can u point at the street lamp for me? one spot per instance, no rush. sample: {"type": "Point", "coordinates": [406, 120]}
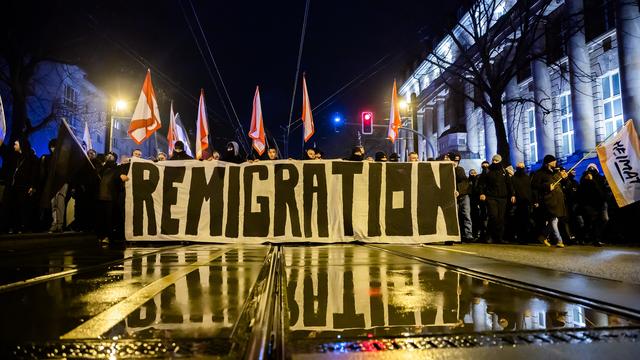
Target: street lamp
{"type": "Point", "coordinates": [117, 106]}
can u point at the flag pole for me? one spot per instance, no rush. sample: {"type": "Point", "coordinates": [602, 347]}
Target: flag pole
{"type": "Point", "coordinates": [589, 153]}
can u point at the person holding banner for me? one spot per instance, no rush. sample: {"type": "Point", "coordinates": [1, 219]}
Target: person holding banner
{"type": "Point", "coordinates": [549, 195]}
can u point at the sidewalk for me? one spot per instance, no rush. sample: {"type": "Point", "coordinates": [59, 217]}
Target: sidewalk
{"type": "Point", "coordinates": [43, 240]}
{"type": "Point", "coordinates": [621, 263]}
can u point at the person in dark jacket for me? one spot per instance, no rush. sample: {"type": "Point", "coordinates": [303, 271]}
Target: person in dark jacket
{"type": "Point", "coordinates": [570, 222]}
{"type": "Point", "coordinates": [482, 207]}
{"type": "Point", "coordinates": [108, 191]}
{"type": "Point", "coordinates": [232, 153]}
{"type": "Point", "coordinates": [522, 214]}
{"type": "Point", "coordinates": [464, 204]}
{"type": "Point", "coordinates": [592, 197]}
{"type": "Point", "coordinates": [23, 172]}
{"type": "Point", "coordinates": [474, 200]}
{"type": "Point", "coordinates": [357, 154]}
{"type": "Point", "coordinates": [548, 194]}
{"type": "Point", "coordinates": [381, 156]}
{"type": "Point", "coordinates": [496, 190]}
{"type": "Point", "coordinates": [309, 154]}
{"type": "Point", "coordinates": [394, 157]}
{"type": "Point", "coordinates": [179, 153]}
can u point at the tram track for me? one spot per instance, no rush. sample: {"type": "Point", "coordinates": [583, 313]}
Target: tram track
{"type": "Point", "coordinates": [515, 283]}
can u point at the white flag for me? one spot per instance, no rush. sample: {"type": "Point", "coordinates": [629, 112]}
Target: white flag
{"type": "Point", "coordinates": [86, 137]}
{"type": "Point", "coordinates": [307, 117]}
{"type": "Point", "coordinates": [181, 135]}
{"type": "Point", "coordinates": [620, 160]}
{"type": "Point", "coordinates": [3, 123]}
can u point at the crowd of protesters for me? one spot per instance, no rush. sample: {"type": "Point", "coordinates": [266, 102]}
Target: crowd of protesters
{"type": "Point", "coordinates": [496, 205]}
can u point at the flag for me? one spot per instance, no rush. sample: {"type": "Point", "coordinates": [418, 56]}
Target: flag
{"type": "Point", "coordinates": [69, 163]}
{"type": "Point", "coordinates": [3, 123]}
{"type": "Point", "coordinates": [146, 117]}
{"type": "Point", "coordinates": [257, 125]}
{"type": "Point", "coordinates": [171, 132]}
{"type": "Point", "coordinates": [307, 118]}
{"type": "Point", "coordinates": [181, 135]}
{"type": "Point", "coordinates": [620, 160]}
{"type": "Point", "coordinates": [86, 138]}
{"type": "Point", "coordinates": [202, 132]}
{"type": "Point", "coordinates": [394, 116]}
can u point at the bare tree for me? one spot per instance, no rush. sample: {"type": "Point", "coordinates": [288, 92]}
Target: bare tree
{"type": "Point", "coordinates": [491, 45]}
{"type": "Point", "coordinates": [36, 35]}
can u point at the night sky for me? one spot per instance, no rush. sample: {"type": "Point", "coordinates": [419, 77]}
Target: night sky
{"type": "Point", "coordinates": [256, 43]}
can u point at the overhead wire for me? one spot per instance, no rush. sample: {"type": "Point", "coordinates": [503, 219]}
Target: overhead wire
{"type": "Point", "coordinates": [295, 79]}
{"type": "Point", "coordinates": [243, 140]}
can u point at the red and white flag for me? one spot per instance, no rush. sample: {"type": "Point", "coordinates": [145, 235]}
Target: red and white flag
{"type": "Point", "coordinates": [202, 125]}
{"type": "Point", "coordinates": [394, 117]}
{"type": "Point", "coordinates": [172, 132]}
{"type": "Point", "coordinates": [307, 117]}
{"type": "Point", "coordinates": [146, 117]}
{"type": "Point", "coordinates": [257, 125]}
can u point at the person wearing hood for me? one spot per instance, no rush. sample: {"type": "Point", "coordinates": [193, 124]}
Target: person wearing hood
{"type": "Point", "coordinates": [272, 154]}
{"type": "Point", "coordinates": [592, 198]}
{"type": "Point", "coordinates": [522, 214]}
{"type": "Point", "coordinates": [21, 185]}
{"type": "Point", "coordinates": [547, 192]}
{"type": "Point", "coordinates": [179, 153]}
{"type": "Point", "coordinates": [381, 156]}
{"type": "Point", "coordinates": [496, 191]}
{"type": "Point", "coordinates": [394, 157]}
{"type": "Point", "coordinates": [232, 153]}
{"type": "Point", "coordinates": [357, 154]}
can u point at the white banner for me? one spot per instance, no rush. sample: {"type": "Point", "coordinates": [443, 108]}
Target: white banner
{"type": "Point", "coordinates": [291, 201]}
{"type": "Point", "coordinates": [620, 160]}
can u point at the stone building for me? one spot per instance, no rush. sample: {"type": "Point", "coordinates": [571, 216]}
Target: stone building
{"type": "Point", "coordinates": [589, 79]}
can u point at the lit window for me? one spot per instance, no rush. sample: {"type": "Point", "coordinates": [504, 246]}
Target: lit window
{"type": "Point", "coordinates": [566, 119]}
{"type": "Point", "coordinates": [533, 146]}
{"type": "Point", "coordinates": [612, 103]}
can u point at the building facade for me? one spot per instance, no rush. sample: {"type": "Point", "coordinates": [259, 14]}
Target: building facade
{"type": "Point", "coordinates": [581, 92]}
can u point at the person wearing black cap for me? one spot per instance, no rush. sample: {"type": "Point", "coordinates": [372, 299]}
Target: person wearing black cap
{"type": "Point", "coordinates": [547, 193]}
{"type": "Point", "coordinates": [496, 189]}
{"type": "Point", "coordinates": [381, 156]}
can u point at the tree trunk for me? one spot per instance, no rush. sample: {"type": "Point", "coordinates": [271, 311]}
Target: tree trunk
{"type": "Point", "coordinates": [19, 110]}
{"type": "Point", "coordinates": [501, 133]}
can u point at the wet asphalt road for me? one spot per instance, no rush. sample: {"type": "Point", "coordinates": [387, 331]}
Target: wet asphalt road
{"type": "Point", "coordinates": [211, 300]}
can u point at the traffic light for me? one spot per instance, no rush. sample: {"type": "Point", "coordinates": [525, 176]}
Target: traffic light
{"type": "Point", "coordinates": [367, 122]}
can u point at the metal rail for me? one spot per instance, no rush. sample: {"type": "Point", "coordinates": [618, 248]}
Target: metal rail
{"type": "Point", "coordinates": [607, 307]}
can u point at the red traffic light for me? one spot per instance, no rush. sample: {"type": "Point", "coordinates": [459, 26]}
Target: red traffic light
{"type": "Point", "coordinates": [367, 122]}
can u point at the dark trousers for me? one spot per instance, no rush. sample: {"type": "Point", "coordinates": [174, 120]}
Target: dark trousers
{"type": "Point", "coordinates": [497, 208]}
{"type": "Point", "coordinates": [105, 225]}
{"type": "Point", "coordinates": [522, 222]}
{"type": "Point", "coordinates": [19, 207]}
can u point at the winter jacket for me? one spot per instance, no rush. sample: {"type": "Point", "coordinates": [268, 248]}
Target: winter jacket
{"type": "Point", "coordinates": [496, 183]}
{"type": "Point", "coordinates": [462, 182]}
{"type": "Point", "coordinates": [552, 201]}
{"type": "Point", "coordinates": [522, 186]}
{"type": "Point", "coordinates": [24, 172]}
{"type": "Point", "coordinates": [180, 155]}
{"type": "Point", "coordinates": [109, 182]}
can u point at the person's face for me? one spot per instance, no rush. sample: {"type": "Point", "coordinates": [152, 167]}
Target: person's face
{"type": "Point", "coordinates": [16, 146]}
{"type": "Point", "coordinates": [110, 157]}
{"type": "Point", "coordinates": [137, 154]}
{"type": "Point", "coordinates": [446, 158]}
{"type": "Point", "coordinates": [272, 154]}
{"type": "Point", "coordinates": [553, 163]}
{"type": "Point", "coordinates": [215, 156]}
{"type": "Point", "coordinates": [318, 156]}
{"type": "Point", "coordinates": [52, 149]}
{"type": "Point", "coordinates": [311, 153]}
{"type": "Point", "coordinates": [473, 172]}
{"type": "Point", "coordinates": [457, 160]}
{"type": "Point", "coordinates": [413, 157]}
{"type": "Point", "coordinates": [520, 165]}
{"type": "Point", "coordinates": [485, 165]}
{"type": "Point", "coordinates": [230, 148]}
{"type": "Point", "coordinates": [92, 154]}
{"type": "Point", "coordinates": [161, 157]}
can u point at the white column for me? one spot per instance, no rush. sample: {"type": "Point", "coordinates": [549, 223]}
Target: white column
{"type": "Point", "coordinates": [516, 144]}
{"type": "Point", "coordinates": [628, 36]}
{"type": "Point", "coordinates": [440, 115]}
{"type": "Point", "coordinates": [473, 133]}
{"type": "Point", "coordinates": [579, 78]}
{"type": "Point", "coordinates": [542, 96]}
{"type": "Point", "coordinates": [490, 140]}
{"type": "Point", "coordinates": [428, 130]}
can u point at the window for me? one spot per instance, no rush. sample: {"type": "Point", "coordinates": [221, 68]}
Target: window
{"type": "Point", "coordinates": [533, 146]}
{"type": "Point", "coordinates": [566, 120]}
{"type": "Point", "coordinates": [70, 96]}
{"type": "Point", "coordinates": [612, 103]}
{"type": "Point", "coordinates": [599, 17]}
